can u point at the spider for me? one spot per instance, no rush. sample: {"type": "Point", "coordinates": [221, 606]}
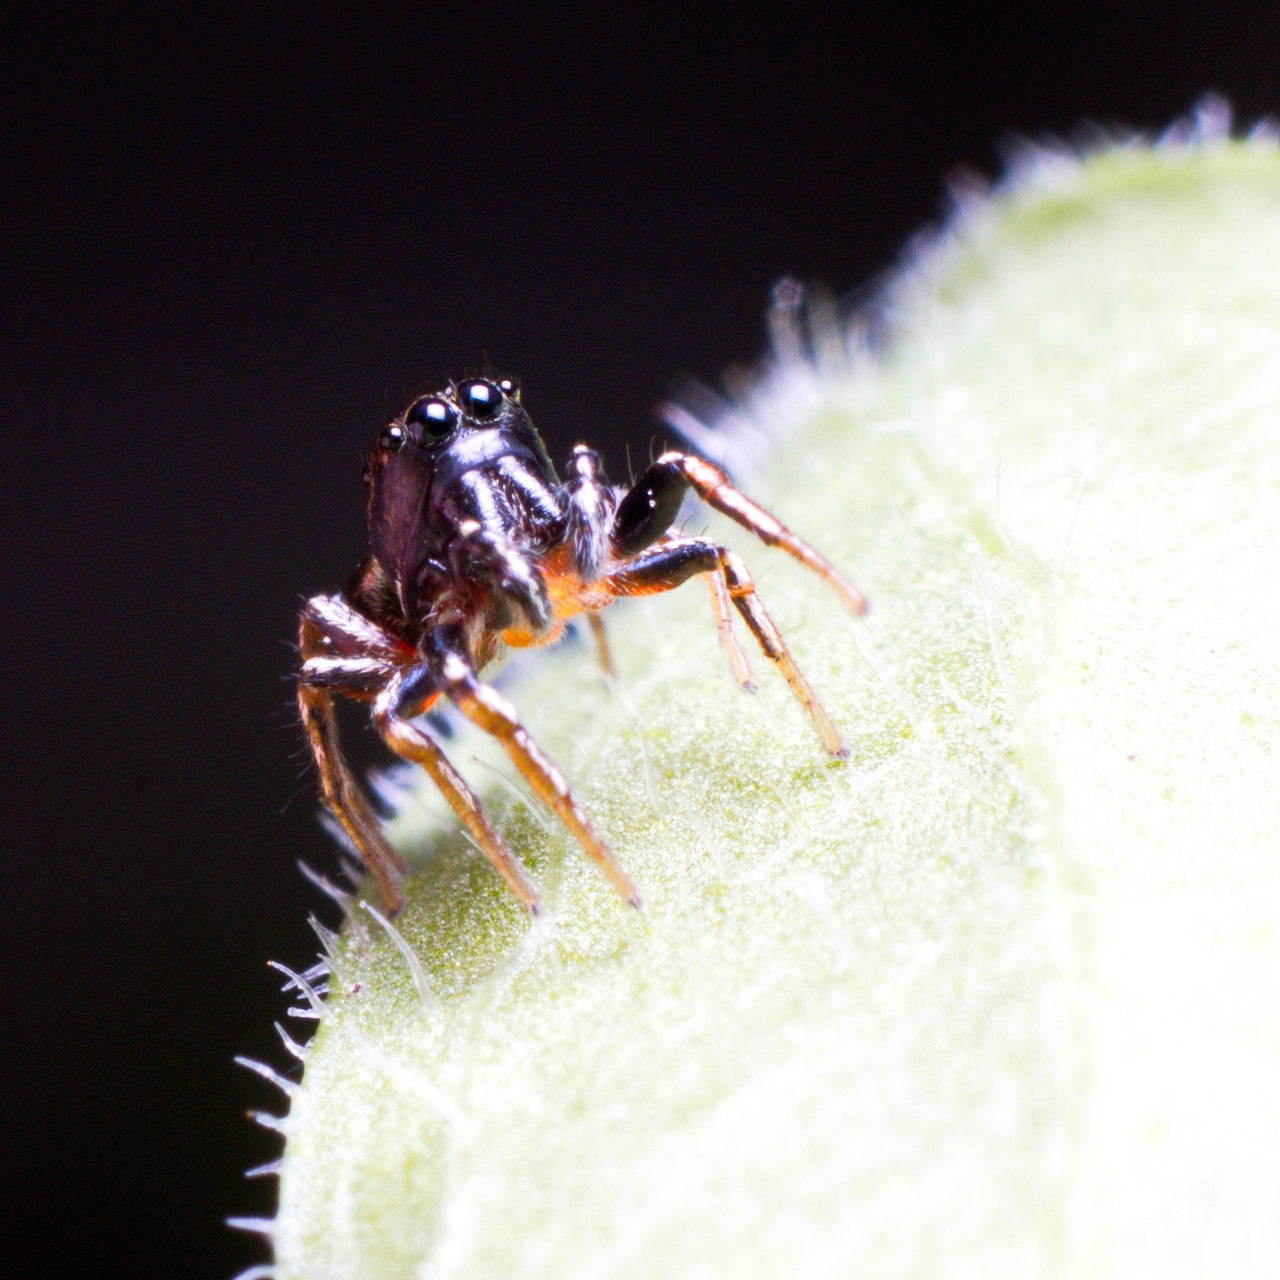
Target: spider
{"type": "Point", "coordinates": [475, 543]}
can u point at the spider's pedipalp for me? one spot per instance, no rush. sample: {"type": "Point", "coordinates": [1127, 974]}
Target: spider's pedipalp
{"type": "Point", "coordinates": [482, 554]}
{"type": "Point", "coordinates": [589, 512]}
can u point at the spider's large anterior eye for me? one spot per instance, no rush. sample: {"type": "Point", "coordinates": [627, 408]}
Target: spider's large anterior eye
{"type": "Point", "coordinates": [480, 400]}
{"type": "Point", "coordinates": [436, 418]}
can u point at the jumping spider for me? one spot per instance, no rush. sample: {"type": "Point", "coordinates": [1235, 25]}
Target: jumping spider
{"type": "Point", "coordinates": [474, 544]}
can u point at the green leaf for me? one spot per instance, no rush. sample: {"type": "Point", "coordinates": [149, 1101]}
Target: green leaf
{"type": "Point", "coordinates": [1001, 994]}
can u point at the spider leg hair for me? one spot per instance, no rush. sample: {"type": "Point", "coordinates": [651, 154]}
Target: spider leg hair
{"type": "Point", "coordinates": [650, 507]}
{"type": "Point", "coordinates": [676, 560]}
{"type": "Point", "coordinates": [341, 795]}
{"type": "Point", "coordinates": [393, 709]}
{"type": "Point", "coordinates": [485, 707]}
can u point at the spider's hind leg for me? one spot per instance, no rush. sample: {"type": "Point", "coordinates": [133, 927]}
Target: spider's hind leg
{"type": "Point", "coordinates": [676, 560]}
{"type": "Point", "coordinates": [742, 591]}
{"type": "Point", "coordinates": [722, 604]}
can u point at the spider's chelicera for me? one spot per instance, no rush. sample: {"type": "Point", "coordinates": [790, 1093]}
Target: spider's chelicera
{"type": "Point", "coordinates": [475, 543]}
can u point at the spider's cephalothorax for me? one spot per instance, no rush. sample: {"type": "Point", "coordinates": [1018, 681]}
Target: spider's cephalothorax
{"type": "Point", "coordinates": [475, 543]}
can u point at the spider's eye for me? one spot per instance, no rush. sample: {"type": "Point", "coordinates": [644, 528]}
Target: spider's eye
{"type": "Point", "coordinates": [510, 388]}
{"type": "Point", "coordinates": [436, 418]}
{"type": "Point", "coordinates": [480, 400]}
{"type": "Point", "coordinates": [392, 439]}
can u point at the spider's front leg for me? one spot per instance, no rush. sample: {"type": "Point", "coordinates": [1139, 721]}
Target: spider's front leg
{"type": "Point", "coordinates": [484, 706]}
{"type": "Point", "coordinates": [343, 652]}
{"type": "Point", "coordinates": [649, 508]}
{"type": "Point", "coordinates": [407, 695]}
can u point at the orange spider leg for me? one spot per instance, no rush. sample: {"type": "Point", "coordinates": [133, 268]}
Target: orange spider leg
{"type": "Point", "coordinates": [485, 707]}
{"type": "Point", "coordinates": [713, 487]}
{"type": "Point", "coordinates": [322, 676]}
{"type": "Point", "coordinates": [601, 638]}
{"type": "Point", "coordinates": [673, 561]}
{"type": "Point", "coordinates": [414, 745]}
{"type": "Point", "coordinates": [722, 604]}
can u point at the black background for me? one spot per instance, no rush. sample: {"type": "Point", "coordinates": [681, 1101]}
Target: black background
{"type": "Point", "coordinates": [231, 246]}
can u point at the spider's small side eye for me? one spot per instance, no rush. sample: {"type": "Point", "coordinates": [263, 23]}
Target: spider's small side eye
{"type": "Point", "coordinates": [480, 400]}
{"type": "Point", "coordinates": [392, 439]}
{"type": "Point", "coordinates": [436, 418]}
{"type": "Point", "coordinates": [510, 388]}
